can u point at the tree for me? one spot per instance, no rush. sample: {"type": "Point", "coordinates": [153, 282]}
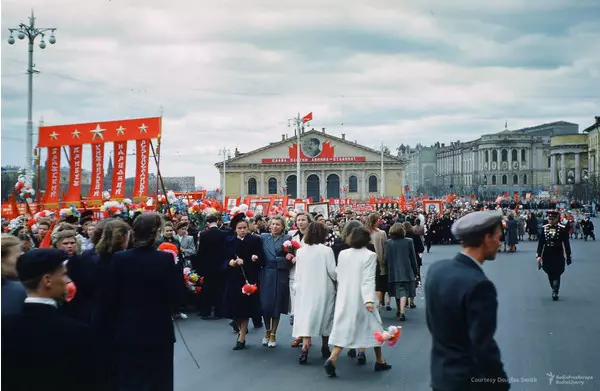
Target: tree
{"type": "Point", "coordinates": [386, 150]}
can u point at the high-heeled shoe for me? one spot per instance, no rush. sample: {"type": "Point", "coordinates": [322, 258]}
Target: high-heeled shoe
{"type": "Point", "coordinates": [382, 366]}
{"type": "Point", "coordinates": [329, 368]}
{"type": "Point", "coordinates": [272, 341]}
{"type": "Point", "coordinates": [265, 340]}
{"type": "Point", "coordinates": [239, 345]}
{"type": "Point", "coordinates": [303, 357]}
{"type": "Point", "coordinates": [361, 358]}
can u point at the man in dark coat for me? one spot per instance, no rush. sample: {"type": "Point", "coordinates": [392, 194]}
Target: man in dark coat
{"type": "Point", "coordinates": [212, 252]}
{"type": "Point", "coordinates": [461, 307]}
{"type": "Point", "coordinates": [553, 246]}
{"type": "Point", "coordinates": [41, 348]}
{"type": "Point", "coordinates": [145, 292]}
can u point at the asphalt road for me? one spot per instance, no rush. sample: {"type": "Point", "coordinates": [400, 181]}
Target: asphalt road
{"type": "Point", "coordinates": [536, 336]}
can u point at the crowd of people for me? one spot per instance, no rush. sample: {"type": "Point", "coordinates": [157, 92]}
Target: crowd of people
{"type": "Point", "coordinates": [331, 276]}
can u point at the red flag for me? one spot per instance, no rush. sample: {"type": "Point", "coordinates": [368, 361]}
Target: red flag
{"type": "Point", "coordinates": [14, 208]}
{"type": "Point", "coordinates": [307, 117]}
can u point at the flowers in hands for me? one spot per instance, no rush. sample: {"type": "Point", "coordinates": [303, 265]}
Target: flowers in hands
{"type": "Point", "coordinates": [290, 247]}
{"type": "Point", "coordinates": [193, 281]}
{"type": "Point", "coordinates": [249, 289]}
{"type": "Point", "coordinates": [391, 335]}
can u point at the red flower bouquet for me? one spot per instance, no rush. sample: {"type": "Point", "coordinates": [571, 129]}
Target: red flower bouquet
{"type": "Point", "coordinates": [391, 335]}
{"type": "Point", "coordinates": [290, 247]}
{"type": "Point", "coordinates": [71, 291]}
{"type": "Point", "coordinates": [249, 289]}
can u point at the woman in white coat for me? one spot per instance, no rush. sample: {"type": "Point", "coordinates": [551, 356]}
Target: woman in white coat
{"type": "Point", "coordinates": [301, 221]}
{"type": "Point", "coordinates": [315, 290]}
{"type": "Point", "coordinates": [356, 317]}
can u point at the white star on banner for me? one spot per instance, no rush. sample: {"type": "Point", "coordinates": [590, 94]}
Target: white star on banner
{"type": "Point", "coordinates": [98, 132]}
{"type": "Point", "coordinates": [54, 135]}
{"type": "Point", "coordinates": [120, 130]}
{"type": "Point", "coordinates": [143, 128]}
{"type": "Point", "coordinates": [75, 133]}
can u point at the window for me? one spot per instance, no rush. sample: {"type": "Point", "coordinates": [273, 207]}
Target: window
{"type": "Point", "coordinates": [494, 155]}
{"type": "Point", "coordinates": [493, 179]}
{"type": "Point", "coordinates": [515, 179]}
{"type": "Point", "coordinates": [352, 184]}
{"type": "Point", "coordinates": [372, 184]}
{"type": "Point", "coordinates": [549, 162]}
{"type": "Point", "coordinates": [515, 155]}
{"type": "Point", "coordinates": [504, 180]}
{"type": "Point", "coordinates": [504, 155]}
{"type": "Point", "coordinates": [525, 179]}
{"type": "Point", "coordinates": [523, 155]}
{"type": "Point", "coordinates": [272, 185]}
{"type": "Point", "coordinates": [487, 156]}
{"type": "Point", "coordinates": [252, 188]}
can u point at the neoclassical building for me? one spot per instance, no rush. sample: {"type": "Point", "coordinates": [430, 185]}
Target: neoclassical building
{"type": "Point", "coordinates": [569, 159]}
{"type": "Point", "coordinates": [331, 167]}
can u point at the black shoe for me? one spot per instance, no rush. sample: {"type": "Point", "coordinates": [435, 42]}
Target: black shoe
{"type": "Point", "coordinates": [329, 368]}
{"type": "Point", "coordinates": [555, 296]}
{"type": "Point", "coordinates": [303, 357]}
{"type": "Point", "coordinates": [382, 366]}
{"type": "Point", "coordinates": [234, 326]}
{"type": "Point", "coordinates": [402, 317]}
{"type": "Point", "coordinates": [362, 359]}
{"type": "Point", "coordinates": [388, 308]}
{"type": "Point", "coordinates": [325, 352]}
{"type": "Point", "coordinates": [352, 353]}
{"type": "Point", "coordinates": [239, 345]}
{"type": "Point", "coordinates": [258, 325]}
{"type": "Point", "coordinates": [218, 317]}
{"type": "Point", "coordinates": [205, 317]}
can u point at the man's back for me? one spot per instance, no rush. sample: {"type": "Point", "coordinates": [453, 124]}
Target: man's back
{"type": "Point", "coordinates": [42, 349]}
{"type": "Point", "coordinates": [461, 309]}
{"type": "Point", "coordinates": [211, 250]}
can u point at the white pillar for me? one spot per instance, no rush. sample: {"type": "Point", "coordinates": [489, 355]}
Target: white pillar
{"type": "Point", "coordinates": [553, 169]}
{"type": "Point", "coordinates": [282, 184]}
{"type": "Point", "coordinates": [261, 187]}
{"type": "Point", "coordinates": [242, 184]}
{"type": "Point", "coordinates": [577, 168]}
{"type": "Point", "coordinates": [563, 170]}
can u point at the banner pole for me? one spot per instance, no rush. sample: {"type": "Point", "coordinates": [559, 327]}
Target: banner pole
{"type": "Point", "coordinates": [162, 184]}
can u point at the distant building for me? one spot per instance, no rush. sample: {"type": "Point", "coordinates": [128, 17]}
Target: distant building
{"type": "Point", "coordinates": [180, 183]}
{"type": "Point", "coordinates": [421, 169]}
{"type": "Point", "coordinates": [593, 133]}
{"type": "Point", "coordinates": [558, 128]}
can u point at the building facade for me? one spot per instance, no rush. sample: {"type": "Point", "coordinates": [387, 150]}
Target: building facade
{"type": "Point", "coordinates": [331, 167]}
{"type": "Point", "coordinates": [421, 169]}
{"type": "Point", "coordinates": [593, 136]}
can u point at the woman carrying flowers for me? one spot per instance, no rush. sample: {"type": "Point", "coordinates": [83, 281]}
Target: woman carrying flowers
{"type": "Point", "coordinates": [274, 279]}
{"type": "Point", "coordinates": [241, 300]}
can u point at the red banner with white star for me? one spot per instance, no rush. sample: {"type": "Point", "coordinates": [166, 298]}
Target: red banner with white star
{"type": "Point", "coordinates": [142, 154]}
{"type": "Point", "coordinates": [74, 193]}
{"type": "Point", "coordinates": [99, 132]}
{"type": "Point", "coordinates": [97, 173]}
{"type": "Point", "coordinates": [118, 179]}
{"type": "Point", "coordinates": [52, 177]}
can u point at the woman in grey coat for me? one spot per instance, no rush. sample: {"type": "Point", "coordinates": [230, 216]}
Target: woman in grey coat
{"type": "Point", "coordinates": [401, 262]}
{"type": "Point", "coordinates": [274, 279]}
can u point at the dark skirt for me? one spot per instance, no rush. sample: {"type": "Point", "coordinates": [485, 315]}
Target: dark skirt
{"type": "Point", "coordinates": [381, 281]}
{"type": "Point", "coordinates": [403, 289]}
{"type": "Point", "coordinates": [237, 305]}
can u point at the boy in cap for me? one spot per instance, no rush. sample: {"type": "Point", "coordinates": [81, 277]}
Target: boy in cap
{"type": "Point", "coordinates": [41, 348]}
{"type": "Point", "coordinates": [553, 246]}
{"type": "Point", "coordinates": [461, 307]}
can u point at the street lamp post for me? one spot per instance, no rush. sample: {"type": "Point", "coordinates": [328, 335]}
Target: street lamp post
{"type": "Point", "coordinates": [226, 155]}
{"type": "Point", "coordinates": [31, 33]}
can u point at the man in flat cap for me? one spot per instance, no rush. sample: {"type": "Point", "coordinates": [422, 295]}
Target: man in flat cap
{"type": "Point", "coordinates": [461, 309]}
{"type": "Point", "coordinates": [553, 248]}
{"type": "Point", "coordinates": [41, 348]}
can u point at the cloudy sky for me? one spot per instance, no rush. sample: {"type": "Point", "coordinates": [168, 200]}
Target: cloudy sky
{"type": "Point", "coordinates": [229, 73]}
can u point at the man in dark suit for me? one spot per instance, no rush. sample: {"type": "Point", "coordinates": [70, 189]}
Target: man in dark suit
{"type": "Point", "coordinates": [461, 308]}
{"type": "Point", "coordinates": [145, 293]}
{"type": "Point", "coordinates": [209, 263]}
{"type": "Point", "coordinates": [41, 348]}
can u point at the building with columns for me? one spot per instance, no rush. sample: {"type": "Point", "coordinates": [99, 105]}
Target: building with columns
{"type": "Point", "coordinates": [569, 160]}
{"type": "Point", "coordinates": [331, 167]}
{"type": "Point", "coordinates": [593, 136]}
{"type": "Point", "coordinates": [421, 169]}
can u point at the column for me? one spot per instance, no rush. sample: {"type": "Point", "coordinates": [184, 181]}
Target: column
{"type": "Point", "coordinates": [242, 184]}
{"type": "Point", "coordinates": [261, 187]}
{"type": "Point", "coordinates": [343, 182]}
{"type": "Point", "coordinates": [510, 161]}
{"type": "Point", "coordinates": [499, 162]}
{"type": "Point", "coordinates": [553, 169]}
{"type": "Point", "coordinates": [323, 187]}
{"type": "Point", "coordinates": [577, 168]}
{"type": "Point", "coordinates": [363, 187]}
{"type": "Point", "coordinates": [563, 169]}
{"type": "Point", "coordinates": [382, 184]}
{"type": "Point", "coordinates": [283, 184]}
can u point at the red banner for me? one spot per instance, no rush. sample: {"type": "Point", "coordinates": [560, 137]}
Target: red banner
{"type": "Point", "coordinates": [95, 132]}
{"type": "Point", "coordinates": [52, 176]}
{"type": "Point", "coordinates": [74, 192]}
{"type": "Point", "coordinates": [97, 172]}
{"type": "Point", "coordinates": [142, 154]}
{"type": "Point", "coordinates": [118, 179]}
{"type": "Point", "coordinates": [336, 159]}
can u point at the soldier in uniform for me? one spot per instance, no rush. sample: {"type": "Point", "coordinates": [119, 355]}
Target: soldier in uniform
{"type": "Point", "coordinates": [553, 247]}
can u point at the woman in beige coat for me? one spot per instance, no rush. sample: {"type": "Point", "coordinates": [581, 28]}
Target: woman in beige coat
{"type": "Point", "coordinates": [378, 239]}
